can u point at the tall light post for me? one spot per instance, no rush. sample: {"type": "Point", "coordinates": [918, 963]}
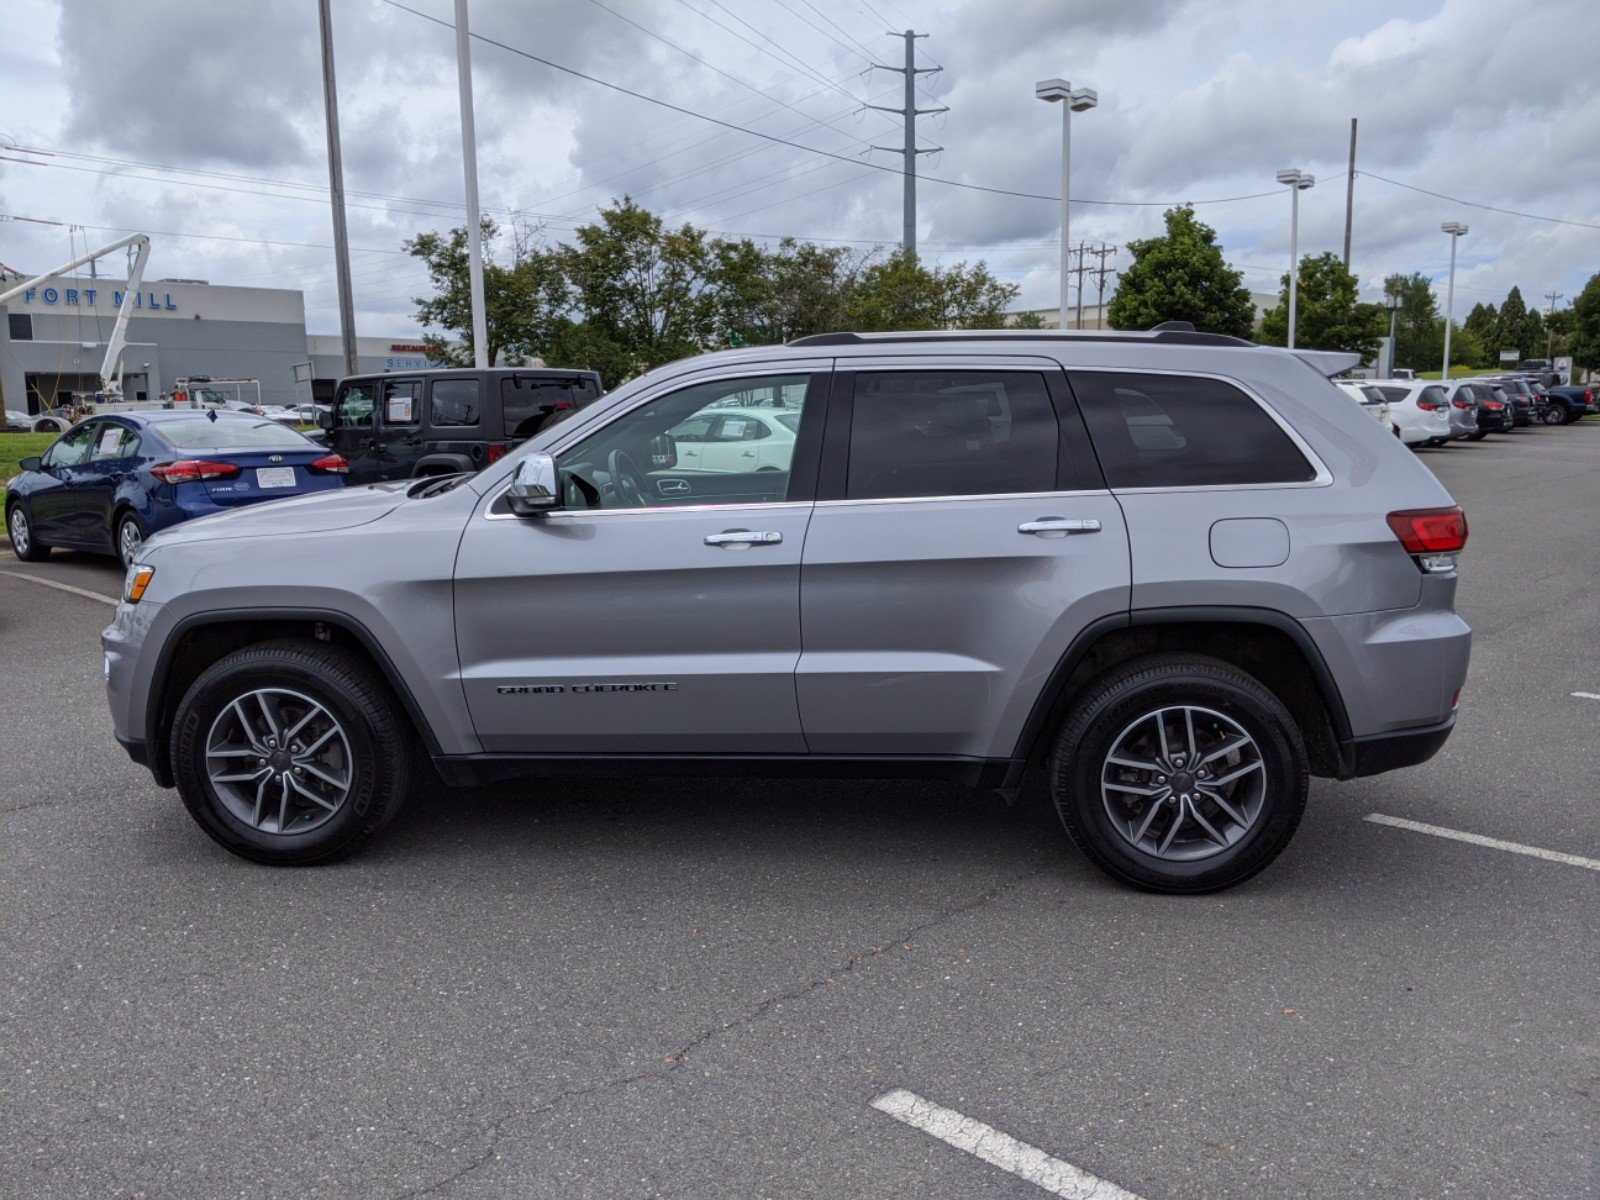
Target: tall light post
{"type": "Point", "coordinates": [1079, 100]}
{"type": "Point", "coordinates": [1297, 181]}
{"type": "Point", "coordinates": [1392, 303]}
{"type": "Point", "coordinates": [1455, 229]}
{"type": "Point", "coordinates": [469, 163]}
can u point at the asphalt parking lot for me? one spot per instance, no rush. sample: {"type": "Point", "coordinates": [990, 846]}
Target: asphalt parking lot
{"type": "Point", "coordinates": [669, 989]}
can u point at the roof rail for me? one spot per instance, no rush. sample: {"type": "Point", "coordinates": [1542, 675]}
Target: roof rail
{"type": "Point", "coordinates": [1165, 334]}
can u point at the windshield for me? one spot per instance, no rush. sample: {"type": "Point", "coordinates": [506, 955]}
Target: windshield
{"type": "Point", "coordinates": [248, 434]}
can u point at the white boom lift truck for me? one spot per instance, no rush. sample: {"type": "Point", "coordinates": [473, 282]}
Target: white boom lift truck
{"type": "Point", "coordinates": [110, 394]}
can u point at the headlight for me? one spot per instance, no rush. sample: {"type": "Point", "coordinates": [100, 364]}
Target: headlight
{"type": "Point", "coordinates": [138, 579]}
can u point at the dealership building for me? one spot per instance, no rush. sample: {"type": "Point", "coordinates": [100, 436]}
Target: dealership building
{"type": "Point", "coordinates": [53, 339]}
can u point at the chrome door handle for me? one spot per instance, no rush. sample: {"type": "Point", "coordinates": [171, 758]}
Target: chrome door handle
{"type": "Point", "coordinates": [1059, 526]}
{"type": "Point", "coordinates": [744, 537]}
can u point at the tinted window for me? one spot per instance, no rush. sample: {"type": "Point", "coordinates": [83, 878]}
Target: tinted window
{"type": "Point", "coordinates": [455, 402]}
{"type": "Point", "coordinates": [951, 433]}
{"type": "Point", "coordinates": [1434, 395]}
{"type": "Point", "coordinates": [21, 326]}
{"type": "Point", "coordinates": [72, 447]}
{"type": "Point", "coordinates": [1395, 394]}
{"type": "Point", "coordinates": [1181, 431]}
{"type": "Point", "coordinates": [640, 459]}
{"type": "Point", "coordinates": [355, 404]}
{"type": "Point", "coordinates": [528, 405]}
{"type": "Point", "coordinates": [235, 433]}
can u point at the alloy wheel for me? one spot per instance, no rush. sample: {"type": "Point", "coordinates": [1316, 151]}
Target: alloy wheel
{"type": "Point", "coordinates": [129, 539]}
{"type": "Point", "coordinates": [279, 761]}
{"type": "Point", "coordinates": [1183, 783]}
{"type": "Point", "coordinates": [19, 531]}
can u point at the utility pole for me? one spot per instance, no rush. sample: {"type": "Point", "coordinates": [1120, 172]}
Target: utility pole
{"type": "Point", "coordinates": [1350, 194]}
{"type": "Point", "coordinates": [1100, 273]}
{"type": "Point", "coordinates": [341, 236]}
{"type": "Point", "coordinates": [1080, 271]}
{"type": "Point", "coordinates": [469, 163]}
{"type": "Point", "coordinates": [909, 113]}
{"type": "Point", "coordinates": [1550, 334]}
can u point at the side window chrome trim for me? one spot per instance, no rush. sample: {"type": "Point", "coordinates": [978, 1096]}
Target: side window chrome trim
{"type": "Point", "coordinates": [1322, 477]}
{"type": "Point", "coordinates": [572, 514]}
{"type": "Point", "coordinates": [964, 497]}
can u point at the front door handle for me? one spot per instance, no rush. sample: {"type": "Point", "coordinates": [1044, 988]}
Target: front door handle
{"type": "Point", "coordinates": [744, 537]}
{"type": "Point", "coordinates": [1059, 526]}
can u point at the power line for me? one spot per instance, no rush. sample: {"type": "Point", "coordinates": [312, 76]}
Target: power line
{"type": "Point", "coordinates": [678, 108]}
{"type": "Point", "coordinates": [1510, 212]}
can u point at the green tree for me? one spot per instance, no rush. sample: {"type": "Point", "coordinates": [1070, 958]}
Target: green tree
{"type": "Point", "coordinates": [1584, 342]}
{"type": "Point", "coordinates": [1559, 327]}
{"type": "Point", "coordinates": [1418, 332]}
{"type": "Point", "coordinates": [1027, 320]}
{"type": "Point", "coordinates": [899, 292]}
{"type": "Point", "coordinates": [1327, 314]}
{"type": "Point", "coordinates": [1181, 276]}
{"type": "Point", "coordinates": [1511, 328]}
{"type": "Point", "coordinates": [645, 292]}
{"type": "Point", "coordinates": [526, 300]}
{"type": "Point", "coordinates": [767, 296]}
{"type": "Point", "coordinates": [1467, 349]}
{"type": "Point", "coordinates": [1482, 323]}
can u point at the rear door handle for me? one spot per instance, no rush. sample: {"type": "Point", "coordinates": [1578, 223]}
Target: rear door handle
{"type": "Point", "coordinates": [744, 537]}
{"type": "Point", "coordinates": [1059, 526]}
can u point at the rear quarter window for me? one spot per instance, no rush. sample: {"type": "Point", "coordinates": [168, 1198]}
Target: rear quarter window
{"type": "Point", "coordinates": [1175, 431]}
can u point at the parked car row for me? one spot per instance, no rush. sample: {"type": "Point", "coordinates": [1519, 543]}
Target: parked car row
{"type": "Point", "coordinates": [1433, 413]}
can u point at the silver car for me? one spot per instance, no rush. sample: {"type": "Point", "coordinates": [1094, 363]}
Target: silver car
{"type": "Point", "coordinates": [1169, 575]}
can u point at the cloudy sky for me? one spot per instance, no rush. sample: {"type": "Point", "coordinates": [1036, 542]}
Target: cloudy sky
{"type": "Point", "coordinates": [201, 123]}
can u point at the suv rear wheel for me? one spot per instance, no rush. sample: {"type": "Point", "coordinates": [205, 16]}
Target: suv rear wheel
{"type": "Point", "coordinates": [290, 752]}
{"type": "Point", "coordinates": [1179, 773]}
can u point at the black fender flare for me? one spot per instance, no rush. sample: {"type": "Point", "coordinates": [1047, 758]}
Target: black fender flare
{"type": "Point", "coordinates": [449, 463]}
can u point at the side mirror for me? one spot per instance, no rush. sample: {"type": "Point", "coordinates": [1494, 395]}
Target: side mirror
{"type": "Point", "coordinates": [325, 419]}
{"type": "Point", "coordinates": [533, 487]}
{"type": "Point", "coordinates": [31, 463]}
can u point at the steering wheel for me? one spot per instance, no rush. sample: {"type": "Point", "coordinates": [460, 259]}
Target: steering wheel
{"type": "Point", "coordinates": [628, 483]}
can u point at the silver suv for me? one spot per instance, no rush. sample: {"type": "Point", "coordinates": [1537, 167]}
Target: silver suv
{"type": "Point", "coordinates": [1172, 575]}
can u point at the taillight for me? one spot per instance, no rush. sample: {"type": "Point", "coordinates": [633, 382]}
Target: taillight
{"type": "Point", "coordinates": [1427, 406]}
{"type": "Point", "coordinates": [1433, 536]}
{"type": "Point", "coordinates": [192, 470]}
{"type": "Point", "coordinates": [331, 464]}
{"type": "Point", "coordinates": [497, 451]}
{"type": "Point", "coordinates": [1462, 403]}
{"type": "Point", "coordinates": [1588, 397]}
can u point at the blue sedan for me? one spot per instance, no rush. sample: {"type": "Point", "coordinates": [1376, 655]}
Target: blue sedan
{"type": "Point", "coordinates": [111, 481]}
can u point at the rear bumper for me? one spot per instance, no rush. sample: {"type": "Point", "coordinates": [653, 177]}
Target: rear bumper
{"type": "Point", "coordinates": [1391, 751]}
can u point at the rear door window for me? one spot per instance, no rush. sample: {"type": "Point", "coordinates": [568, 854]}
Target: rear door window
{"type": "Point", "coordinates": [951, 433]}
{"type": "Point", "coordinates": [1182, 431]}
{"type": "Point", "coordinates": [455, 402]}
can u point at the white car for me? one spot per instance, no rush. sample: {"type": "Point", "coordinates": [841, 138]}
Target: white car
{"type": "Point", "coordinates": [1371, 399]}
{"type": "Point", "coordinates": [736, 440]}
{"type": "Point", "coordinates": [1420, 410]}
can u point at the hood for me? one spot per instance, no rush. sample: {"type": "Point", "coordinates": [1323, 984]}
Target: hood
{"type": "Point", "coordinates": [320, 512]}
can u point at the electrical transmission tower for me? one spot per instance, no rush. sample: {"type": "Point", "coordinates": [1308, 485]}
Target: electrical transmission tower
{"type": "Point", "coordinates": [909, 113]}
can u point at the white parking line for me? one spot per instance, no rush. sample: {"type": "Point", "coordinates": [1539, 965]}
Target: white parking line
{"type": "Point", "coordinates": [1587, 695]}
{"type": "Point", "coordinates": [1477, 839]}
{"type": "Point", "coordinates": [999, 1149]}
{"type": "Point", "coordinates": [62, 587]}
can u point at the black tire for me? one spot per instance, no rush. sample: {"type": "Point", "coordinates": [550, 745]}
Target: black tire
{"type": "Point", "coordinates": [380, 742]}
{"type": "Point", "coordinates": [1479, 436]}
{"type": "Point", "coordinates": [1437, 443]}
{"type": "Point", "coordinates": [127, 537]}
{"type": "Point", "coordinates": [25, 544]}
{"type": "Point", "coordinates": [1114, 705]}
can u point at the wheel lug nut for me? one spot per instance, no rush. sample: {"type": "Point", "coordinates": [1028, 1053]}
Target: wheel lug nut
{"type": "Point", "coordinates": [1161, 778]}
{"type": "Point", "coordinates": [299, 771]}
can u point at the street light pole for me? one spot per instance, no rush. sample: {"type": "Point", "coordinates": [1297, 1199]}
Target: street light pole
{"type": "Point", "coordinates": [1081, 100]}
{"type": "Point", "coordinates": [1297, 181]}
{"type": "Point", "coordinates": [469, 162]}
{"type": "Point", "coordinates": [341, 236]}
{"type": "Point", "coordinates": [1456, 230]}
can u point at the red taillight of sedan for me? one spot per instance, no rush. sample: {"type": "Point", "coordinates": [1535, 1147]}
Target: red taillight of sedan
{"type": "Point", "coordinates": [193, 470]}
{"type": "Point", "coordinates": [331, 464]}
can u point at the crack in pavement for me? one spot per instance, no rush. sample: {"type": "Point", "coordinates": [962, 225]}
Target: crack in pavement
{"type": "Point", "coordinates": [700, 1040]}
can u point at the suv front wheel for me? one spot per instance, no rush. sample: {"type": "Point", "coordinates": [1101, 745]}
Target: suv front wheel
{"type": "Point", "coordinates": [1180, 774]}
{"type": "Point", "coordinates": [290, 752]}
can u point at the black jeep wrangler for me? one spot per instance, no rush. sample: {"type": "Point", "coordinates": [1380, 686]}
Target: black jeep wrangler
{"type": "Point", "coordinates": [448, 420]}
